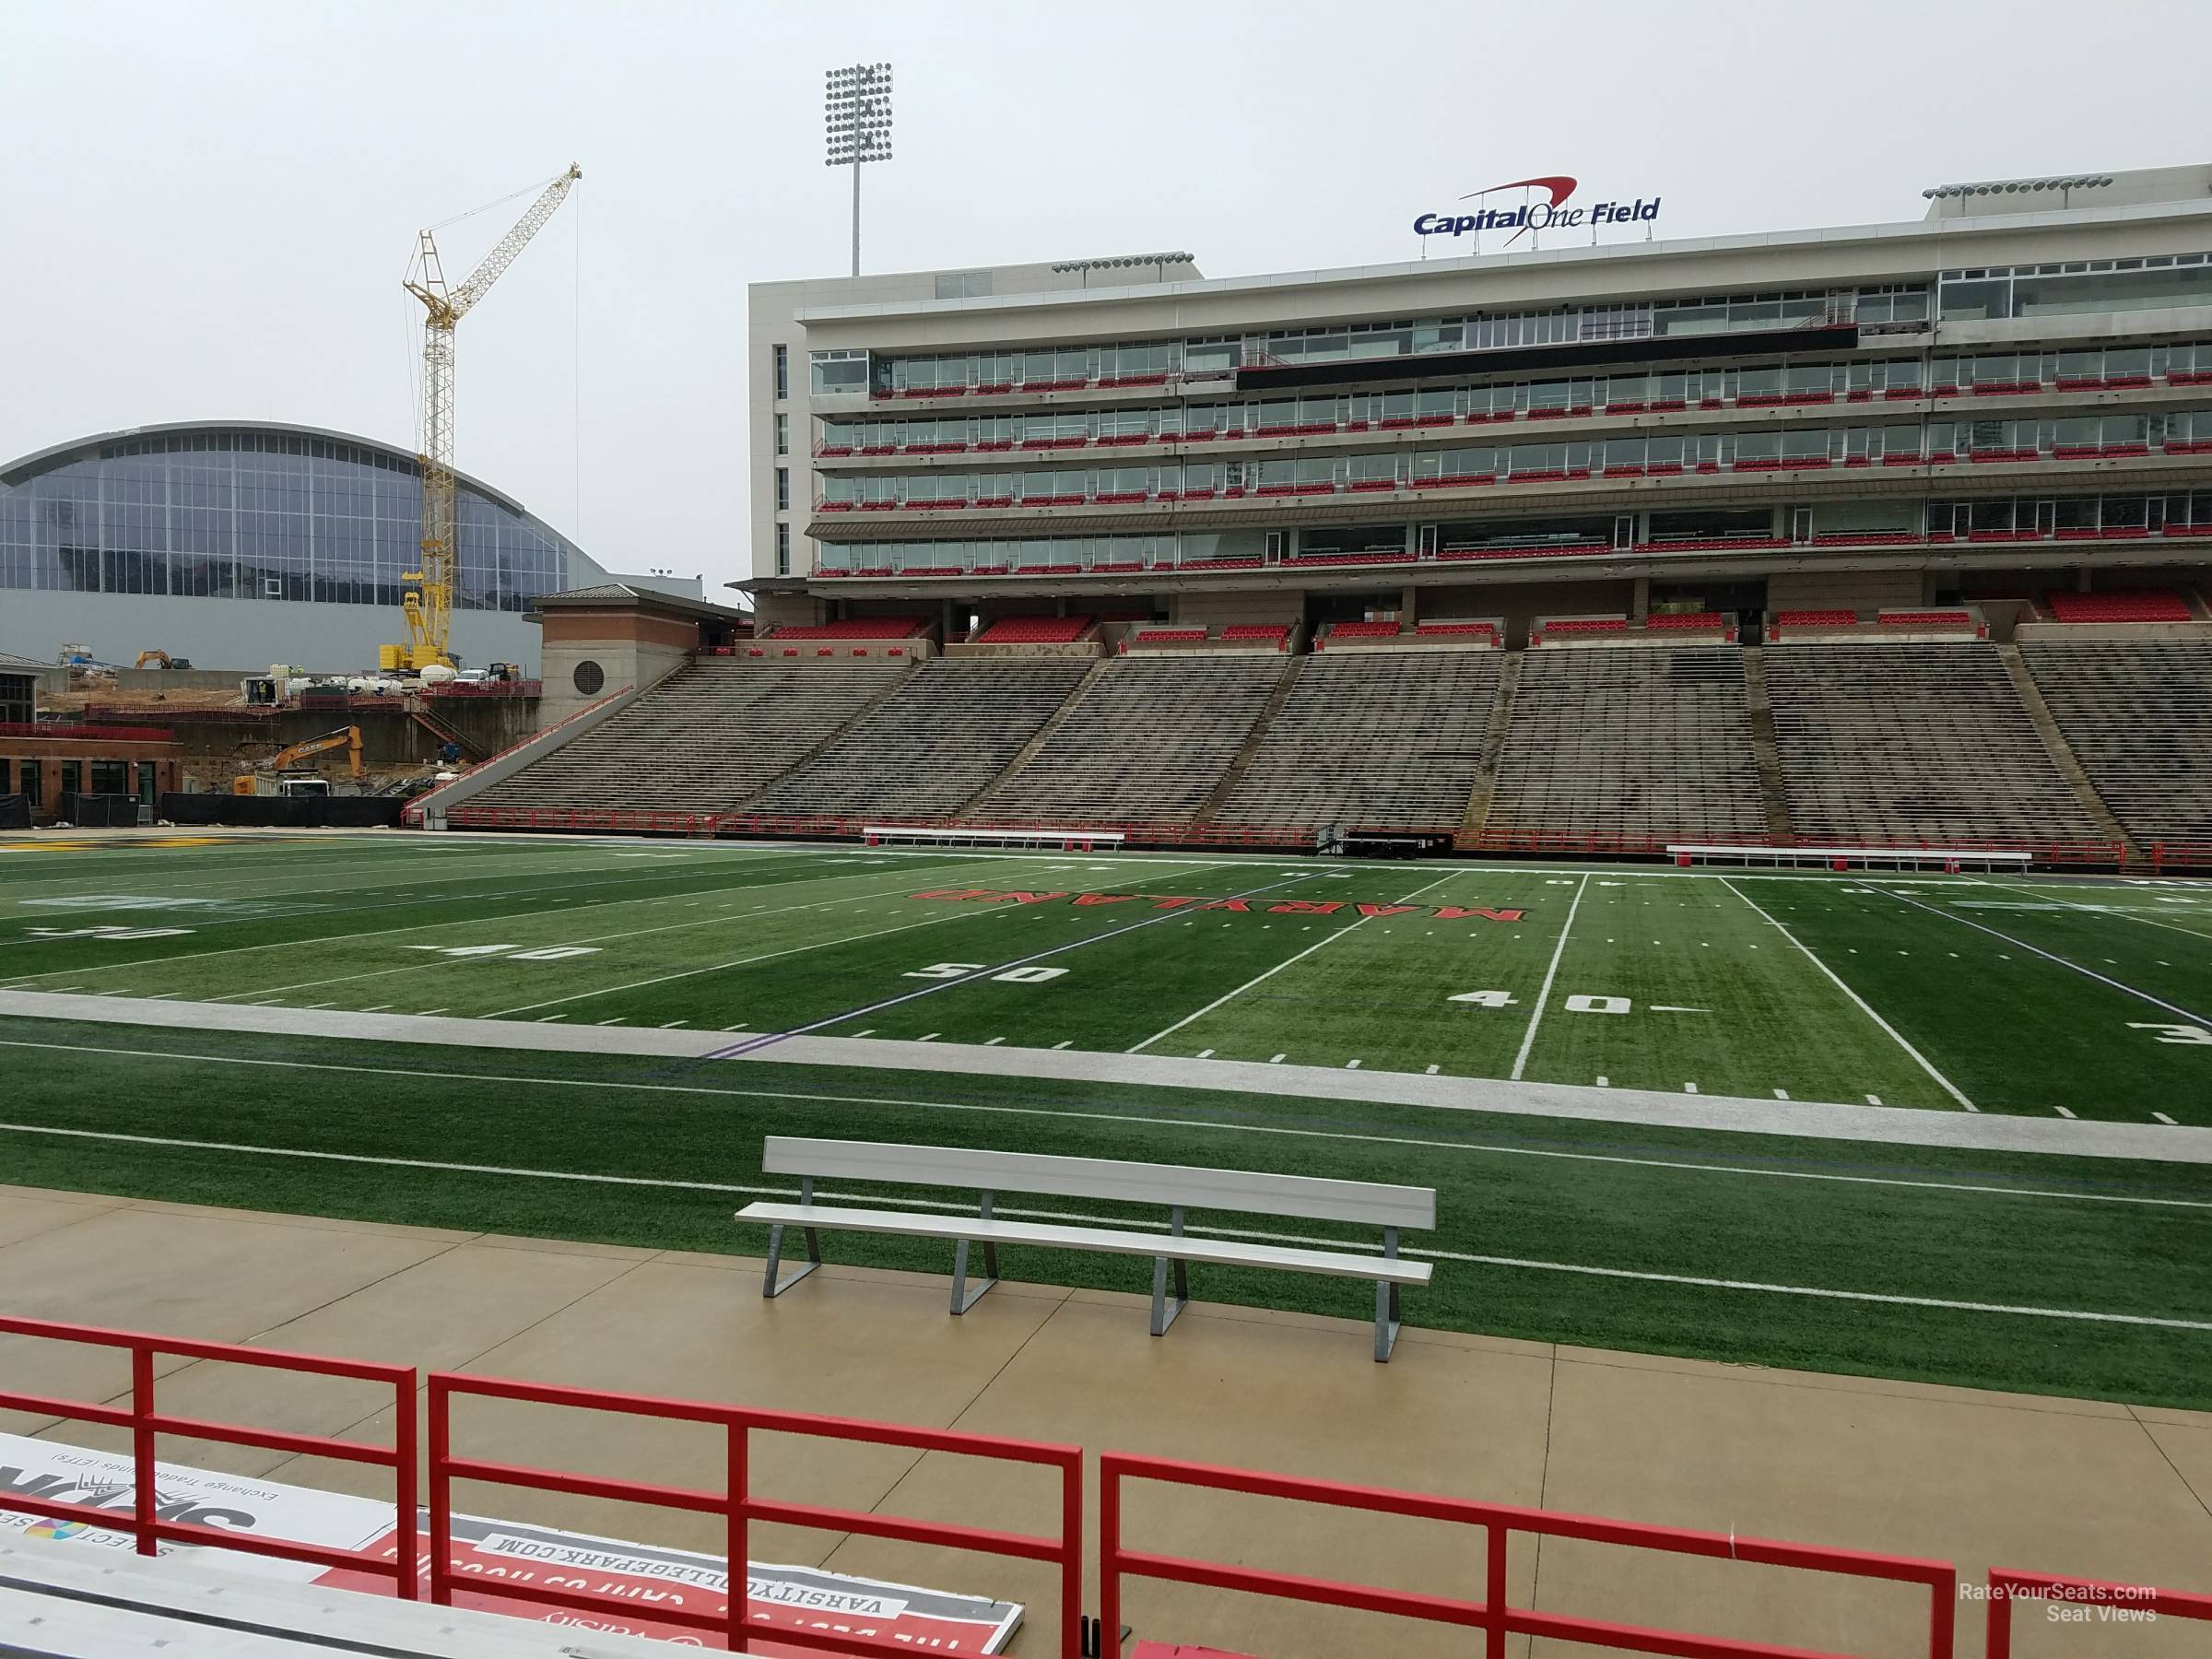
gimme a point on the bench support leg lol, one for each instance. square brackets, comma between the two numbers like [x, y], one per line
[1163, 1309]
[965, 1296]
[774, 1283]
[1386, 1304]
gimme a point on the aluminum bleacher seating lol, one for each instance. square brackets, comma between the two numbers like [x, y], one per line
[2136, 714]
[1373, 739]
[1148, 744]
[1886, 742]
[1034, 630]
[1630, 744]
[701, 741]
[2122, 605]
[955, 724]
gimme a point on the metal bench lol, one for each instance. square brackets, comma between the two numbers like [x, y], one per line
[1179, 1189]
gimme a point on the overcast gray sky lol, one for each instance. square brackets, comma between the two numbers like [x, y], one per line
[208, 205]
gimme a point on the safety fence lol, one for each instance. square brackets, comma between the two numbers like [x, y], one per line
[146, 1424]
[739, 1508]
[2095, 1601]
[1493, 1615]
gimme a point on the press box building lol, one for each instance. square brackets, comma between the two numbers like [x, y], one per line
[2008, 395]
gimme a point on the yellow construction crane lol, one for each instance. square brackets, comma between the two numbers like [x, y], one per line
[430, 601]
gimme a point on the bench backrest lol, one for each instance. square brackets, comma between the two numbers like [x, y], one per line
[1248, 1191]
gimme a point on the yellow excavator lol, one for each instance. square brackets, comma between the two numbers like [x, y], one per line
[277, 776]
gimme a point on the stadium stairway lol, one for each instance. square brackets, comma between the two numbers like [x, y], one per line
[1292, 669]
[2062, 752]
[1765, 755]
[1493, 745]
[1044, 736]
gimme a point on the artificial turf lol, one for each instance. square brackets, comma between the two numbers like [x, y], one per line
[2080, 1235]
[2012, 996]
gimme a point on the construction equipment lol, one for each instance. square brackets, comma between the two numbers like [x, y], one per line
[277, 776]
[157, 658]
[429, 602]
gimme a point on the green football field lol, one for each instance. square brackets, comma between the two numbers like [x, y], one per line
[2043, 997]
[2086, 998]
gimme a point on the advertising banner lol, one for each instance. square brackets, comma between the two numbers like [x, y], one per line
[638, 1579]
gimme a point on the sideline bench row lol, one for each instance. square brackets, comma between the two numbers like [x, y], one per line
[1179, 1189]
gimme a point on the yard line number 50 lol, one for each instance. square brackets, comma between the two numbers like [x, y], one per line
[1012, 976]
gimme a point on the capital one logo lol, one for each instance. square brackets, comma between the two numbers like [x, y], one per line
[1549, 214]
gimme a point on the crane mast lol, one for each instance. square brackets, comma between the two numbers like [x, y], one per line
[429, 600]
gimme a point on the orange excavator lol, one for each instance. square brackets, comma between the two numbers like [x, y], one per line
[287, 773]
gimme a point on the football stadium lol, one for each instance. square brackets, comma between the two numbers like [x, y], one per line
[1330, 1033]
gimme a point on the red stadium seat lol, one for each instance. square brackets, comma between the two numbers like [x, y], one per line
[2127, 605]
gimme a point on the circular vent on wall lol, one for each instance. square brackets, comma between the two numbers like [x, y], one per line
[588, 676]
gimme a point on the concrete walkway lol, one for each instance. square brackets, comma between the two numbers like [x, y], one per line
[1972, 1477]
[1818, 1120]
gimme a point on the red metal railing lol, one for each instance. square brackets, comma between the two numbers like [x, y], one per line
[145, 1423]
[2006, 1587]
[81, 733]
[740, 1509]
[1493, 1615]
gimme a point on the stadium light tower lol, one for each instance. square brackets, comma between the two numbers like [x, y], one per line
[857, 106]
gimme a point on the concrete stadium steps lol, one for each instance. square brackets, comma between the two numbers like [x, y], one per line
[1913, 742]
[1764, 754]
[1649, 742]
[953, 726]
[701, 740]
[2137, 716]
[1380, 739]
[2062, 752]
[1149, 743]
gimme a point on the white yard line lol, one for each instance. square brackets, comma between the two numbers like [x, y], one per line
[1536, 1015]
[1859, 1001]
[1261, 979]
[955, 914]
[2052, 956]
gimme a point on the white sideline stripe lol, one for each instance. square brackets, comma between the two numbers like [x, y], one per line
[1442, 1255]
[1684, 1165]
[1833, 1121]
[1258, 979]
[1815, 1291]
[1865, 1007]
[1536, 1015]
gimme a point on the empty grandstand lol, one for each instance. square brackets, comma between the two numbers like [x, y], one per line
[1371, 738]
[1886, 742]
[933, 744]
[1149, 743]
[2138, 714]
[701, 740]
[1630, 744]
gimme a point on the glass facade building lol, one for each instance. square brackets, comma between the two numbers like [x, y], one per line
[246, 512]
